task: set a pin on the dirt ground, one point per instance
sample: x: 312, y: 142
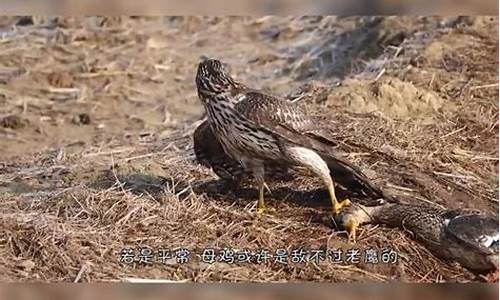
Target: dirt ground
x: 97, y: 114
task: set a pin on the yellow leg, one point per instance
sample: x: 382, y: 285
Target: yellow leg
x: 258, y: 174
x: 351, y: 227
x: 261, y: 207
x: 336, y: 206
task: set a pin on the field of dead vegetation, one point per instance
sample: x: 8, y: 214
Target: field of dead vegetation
x: 96, y: 123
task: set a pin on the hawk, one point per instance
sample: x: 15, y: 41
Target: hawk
x: 257, y: 131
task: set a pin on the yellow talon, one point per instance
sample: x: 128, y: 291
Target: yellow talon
x: 351, y: 226
x: 336, y: 206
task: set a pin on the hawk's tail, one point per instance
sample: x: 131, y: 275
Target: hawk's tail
x: 352, y: 178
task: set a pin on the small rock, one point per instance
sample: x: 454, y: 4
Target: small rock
x: 12, y: 122
x: 27, y: 265
x: 25, y: 21
x: 81, y: 119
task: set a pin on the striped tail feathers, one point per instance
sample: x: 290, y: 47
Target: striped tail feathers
x: 352, y: 177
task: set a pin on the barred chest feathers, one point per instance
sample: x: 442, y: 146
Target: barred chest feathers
x: 236, y: 135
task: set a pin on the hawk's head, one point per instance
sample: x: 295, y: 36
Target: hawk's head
x: 213, y: 77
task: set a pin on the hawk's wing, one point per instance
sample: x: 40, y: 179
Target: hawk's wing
x: 283, y: 118
x: 270, y: 111
x: 209, y: 153
x: 476, y: 230
x: 291, y: 125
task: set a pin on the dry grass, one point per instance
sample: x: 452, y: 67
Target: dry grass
x: 96, y: 120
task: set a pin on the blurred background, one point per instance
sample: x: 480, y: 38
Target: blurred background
x: 255, y: 7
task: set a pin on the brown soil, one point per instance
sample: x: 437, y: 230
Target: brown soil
x: 96, y: 118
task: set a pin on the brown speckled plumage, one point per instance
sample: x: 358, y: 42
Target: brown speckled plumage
x: 286, y: 124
